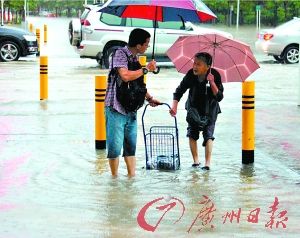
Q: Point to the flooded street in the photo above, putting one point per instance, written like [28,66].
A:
[53,183]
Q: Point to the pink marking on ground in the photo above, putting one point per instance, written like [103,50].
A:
[291,149]
[9,174]
[7,207]
[5,100]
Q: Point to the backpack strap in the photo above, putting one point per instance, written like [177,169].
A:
[112,60]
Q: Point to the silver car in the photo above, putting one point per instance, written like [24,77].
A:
[281,42]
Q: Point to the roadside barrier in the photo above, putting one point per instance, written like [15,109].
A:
[45,34]
[43,77]
[31,27]
[38,36]
[143,62]
[248,122]
[100,129]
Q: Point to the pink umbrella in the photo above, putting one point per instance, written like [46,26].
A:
[233,59]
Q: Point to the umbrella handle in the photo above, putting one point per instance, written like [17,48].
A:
[157,70]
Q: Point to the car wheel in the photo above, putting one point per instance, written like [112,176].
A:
[278,58]
[9,51]
[291,55]
[108,55]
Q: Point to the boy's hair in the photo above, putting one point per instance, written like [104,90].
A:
[205,57]
[138,36]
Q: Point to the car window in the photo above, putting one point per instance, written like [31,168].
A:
[176,25]
[111,20]
[134,22]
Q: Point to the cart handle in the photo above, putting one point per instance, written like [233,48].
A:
[166,104]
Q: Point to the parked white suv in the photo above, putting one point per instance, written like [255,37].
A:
[99,34]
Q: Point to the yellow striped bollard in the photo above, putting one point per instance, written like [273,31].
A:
[43,77]
[45,34]
[100,128]
[38,36]
[31,27]
[143,62]
[248,122]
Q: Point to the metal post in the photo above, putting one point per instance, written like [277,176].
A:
[256,19]
[43,77]
[237,14]
[143,62]
[2,12]
[248,122]
[100,124]
[230,15]
[25,14]
[259,14]
[299,74]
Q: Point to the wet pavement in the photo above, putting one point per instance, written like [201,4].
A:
[53,183]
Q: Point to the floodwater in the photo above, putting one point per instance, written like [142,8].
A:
[53,183]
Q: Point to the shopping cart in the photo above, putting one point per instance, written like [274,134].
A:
[161,141]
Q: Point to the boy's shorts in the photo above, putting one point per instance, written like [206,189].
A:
[208,133]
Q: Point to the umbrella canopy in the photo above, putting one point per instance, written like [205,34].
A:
[233,59]
[160,10]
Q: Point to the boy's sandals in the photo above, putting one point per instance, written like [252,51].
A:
[205,168]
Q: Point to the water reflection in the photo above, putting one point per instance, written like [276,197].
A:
[247,173]
[120,208]
[101,162]
[43,105]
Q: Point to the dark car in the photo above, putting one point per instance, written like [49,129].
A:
[15,42]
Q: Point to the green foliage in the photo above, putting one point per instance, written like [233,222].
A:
[57,6]
[273,12]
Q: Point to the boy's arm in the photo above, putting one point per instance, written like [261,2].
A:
[180,90]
